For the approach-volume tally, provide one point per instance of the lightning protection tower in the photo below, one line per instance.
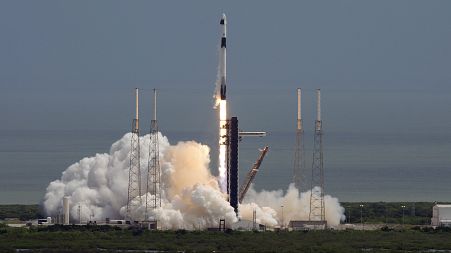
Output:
(153, 169)
(317, 209)
(299, 179)
(134, 176)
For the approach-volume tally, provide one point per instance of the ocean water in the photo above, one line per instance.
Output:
(358, 166)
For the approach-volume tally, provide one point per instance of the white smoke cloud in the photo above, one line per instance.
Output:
(99, 185)
(295, 207)
(191, 198)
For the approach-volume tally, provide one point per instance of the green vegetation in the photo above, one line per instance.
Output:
(415, 213)
(108, 239)
(93, 238)
(22, 212)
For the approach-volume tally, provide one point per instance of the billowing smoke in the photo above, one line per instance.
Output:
(268, 206)
(191, 197)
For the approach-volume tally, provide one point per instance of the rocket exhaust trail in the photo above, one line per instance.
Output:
(222, 162)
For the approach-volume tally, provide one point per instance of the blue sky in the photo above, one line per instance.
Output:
(383, 66)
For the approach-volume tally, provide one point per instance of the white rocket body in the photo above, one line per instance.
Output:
(223, 58)
(222, 161)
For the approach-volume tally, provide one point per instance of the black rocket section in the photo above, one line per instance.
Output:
(223, 89)
(223, 46)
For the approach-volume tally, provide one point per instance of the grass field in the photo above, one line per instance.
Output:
(104, 238)
(111, 239)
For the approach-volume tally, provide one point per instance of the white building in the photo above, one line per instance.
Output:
(441, 216)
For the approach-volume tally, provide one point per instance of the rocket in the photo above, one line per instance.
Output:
(222, 57)
(222, 106)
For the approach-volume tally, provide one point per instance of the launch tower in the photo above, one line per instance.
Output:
(153, 169)
(232, 166)
(317, 208)
(233, 138)
(299, 179)
(134, 176)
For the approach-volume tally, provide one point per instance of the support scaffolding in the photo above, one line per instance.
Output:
(134, 176)
(232, 140)
(317, 207)
(232, 175)
(299, 173)
(153, 187)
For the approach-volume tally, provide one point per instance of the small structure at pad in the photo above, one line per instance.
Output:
(441, 216)
(307, 225)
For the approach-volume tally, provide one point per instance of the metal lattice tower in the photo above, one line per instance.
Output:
(317, 208)
(153, 168)
(134, 176)
(299, 178)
